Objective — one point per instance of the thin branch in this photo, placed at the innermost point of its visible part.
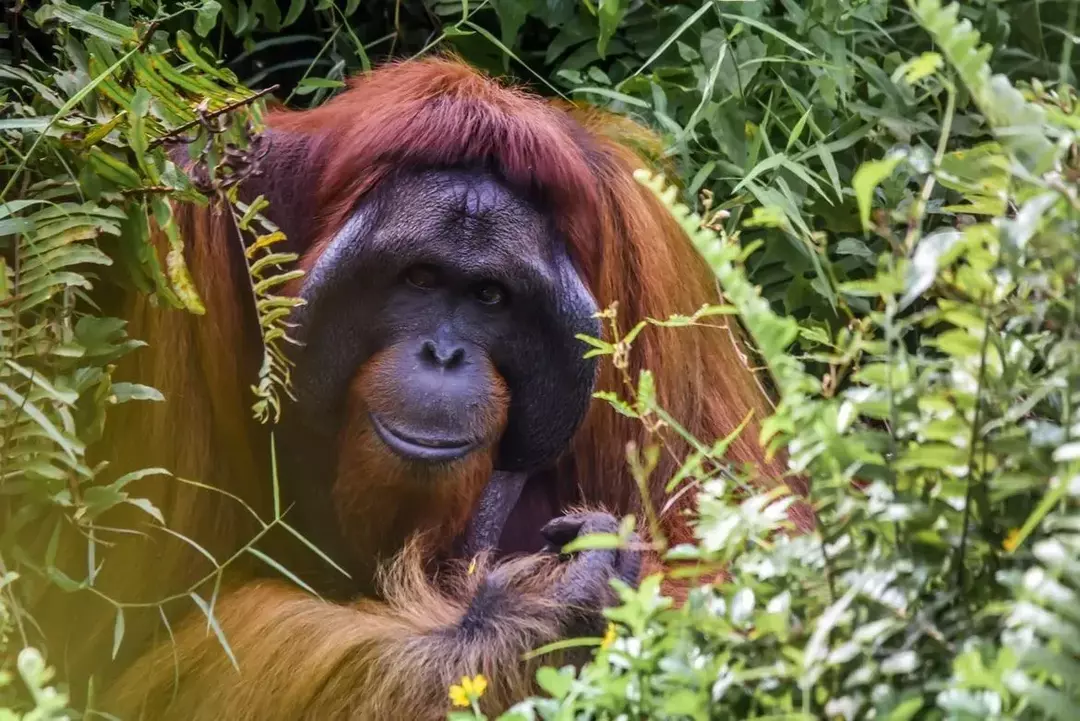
(204, 118)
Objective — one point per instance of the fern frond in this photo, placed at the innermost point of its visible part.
(267, 271)
(1021, 126)
(772, 333)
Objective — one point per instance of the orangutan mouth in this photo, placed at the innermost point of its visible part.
(414, 448)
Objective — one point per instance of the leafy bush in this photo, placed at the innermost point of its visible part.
(85, 170)
(897, 227)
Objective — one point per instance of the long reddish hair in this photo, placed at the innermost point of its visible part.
(579, 162)
(435, 112)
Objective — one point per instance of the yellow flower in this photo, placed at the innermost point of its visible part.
(458, 697)
(609, 636)
(468, 691)
(472, 566)
(1012, 540)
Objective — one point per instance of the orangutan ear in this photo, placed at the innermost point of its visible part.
(285, 175)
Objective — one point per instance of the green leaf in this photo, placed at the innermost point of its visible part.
(959, 343)
(310, 85)
(512, 15)
(610, 12)
(796, 132)
(127, 478)
(124, 392)
(769, 30)
(118, 632)
(36, 123)
(557, 683)
(147, 507)
(192, 55)
(295, 8)
(176, 268)
(313, 548)
(140, 103)
(928, 258)
(112, 169)
(281, 569)
(905, 710)
(110, 31)
(599, 347)
(611, 95)
(868, 177)
(683, 27)
(212, 620)
(66, 397)
(206, 18)
(685, 703)
(617, 403)
(593, 542)
(921, 67)
(72, 446)
(933, 455)
(646, 392)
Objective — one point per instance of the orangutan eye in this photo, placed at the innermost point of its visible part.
(424, 277)
(491, 294)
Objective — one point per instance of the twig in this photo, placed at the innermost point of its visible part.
(148, 35)
(204, 117)
(149, 190)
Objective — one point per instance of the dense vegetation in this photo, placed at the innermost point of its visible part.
(889, 193)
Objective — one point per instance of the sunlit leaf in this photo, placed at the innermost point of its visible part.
(866, 180)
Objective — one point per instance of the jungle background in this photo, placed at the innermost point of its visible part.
(889, 193)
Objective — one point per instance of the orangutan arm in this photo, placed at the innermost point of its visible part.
(304, 658)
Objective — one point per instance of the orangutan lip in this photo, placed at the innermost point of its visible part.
(420, 449)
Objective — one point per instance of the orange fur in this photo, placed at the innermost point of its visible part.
(382, 500)
(305, 658)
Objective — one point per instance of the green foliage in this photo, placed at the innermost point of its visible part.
(85, 173)
(941, 449)
(888, 194)
(27, 670)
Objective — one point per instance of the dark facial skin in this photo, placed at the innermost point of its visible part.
(449, 281)
(443, 269)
